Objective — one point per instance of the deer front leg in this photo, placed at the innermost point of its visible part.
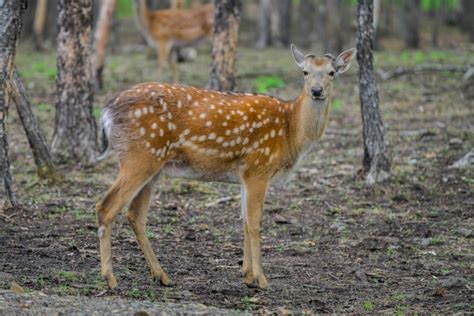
(247, 261)
(255, 188)
(137, 216)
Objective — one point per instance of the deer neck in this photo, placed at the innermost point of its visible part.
(308, 120)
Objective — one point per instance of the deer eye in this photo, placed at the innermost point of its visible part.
(331, 73)
(305, 73)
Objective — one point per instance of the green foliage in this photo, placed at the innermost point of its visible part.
(96, 112)
(124, 9)
(263, 83)
(336, 104)
(368, 306)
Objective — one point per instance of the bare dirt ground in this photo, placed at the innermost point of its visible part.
(330, 244)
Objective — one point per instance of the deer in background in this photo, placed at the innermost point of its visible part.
(170, 28)
(207, 135)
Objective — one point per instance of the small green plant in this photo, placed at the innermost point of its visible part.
(150, 234)
(67, 276)
(435, 241)
(391, 251)
(96, 112)
(368, 306)
(263, 83)
(134, 293)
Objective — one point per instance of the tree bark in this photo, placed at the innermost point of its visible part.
(224, 44)
(335, 26)
(75, 129)
(411, 16)
(284, 22)
(306, 25)
(11, 14)
(101, 36)
(264, 24)
(468, 21)
(39, 146)
(375, 163)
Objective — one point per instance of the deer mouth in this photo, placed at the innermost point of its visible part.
(319, 97)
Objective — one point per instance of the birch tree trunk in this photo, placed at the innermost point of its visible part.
(264, 24)
(11, 14)
(376, 164)
(101, 36)
(224, 44)
(75, 130)
(39, 146)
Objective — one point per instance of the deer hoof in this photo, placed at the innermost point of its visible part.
(111, 281)
(256, 282)
(163, 278)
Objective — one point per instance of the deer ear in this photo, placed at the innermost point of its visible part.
(343, 61)
(297, 55)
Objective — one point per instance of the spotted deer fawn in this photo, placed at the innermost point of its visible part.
(212, 136)
(172, 28)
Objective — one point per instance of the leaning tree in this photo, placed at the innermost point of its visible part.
(376, 164)
(12, 88)
(74, 136)
(224, 44)
(11, 14)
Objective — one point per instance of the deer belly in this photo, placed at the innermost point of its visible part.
(182, 170)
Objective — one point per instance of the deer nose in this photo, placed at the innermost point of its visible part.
(317, 91)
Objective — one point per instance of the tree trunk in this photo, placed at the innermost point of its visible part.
(38, 28)
(306, 25)
(375, 163)
(411, 16)
(224, 44)
(284, 22)
(11, 15)
(336, 25)
(75, 130)
(264, 24)
(39, 146)
(101, 35)
(468, 21)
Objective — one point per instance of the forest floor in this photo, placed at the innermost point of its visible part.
(330, 243)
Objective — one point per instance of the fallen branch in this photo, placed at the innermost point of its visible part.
(400, 71)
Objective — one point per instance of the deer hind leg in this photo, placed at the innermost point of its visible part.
(129, 182)
(137, 216)
(255, 188)
(164, 52)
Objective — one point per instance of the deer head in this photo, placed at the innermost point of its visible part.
(319, 72)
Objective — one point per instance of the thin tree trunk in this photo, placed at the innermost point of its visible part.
(306, 25)
(39, 146)
(264, 24)
(75, 130)
(284, 22)
(11, 14)
(467, 19)
(38, 28)
(411, 16)
(224, 44)
(101, 36)
(335, 27)
(375, 163)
